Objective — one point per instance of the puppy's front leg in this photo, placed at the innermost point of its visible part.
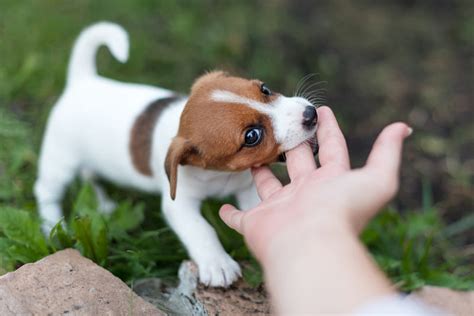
(216, 267)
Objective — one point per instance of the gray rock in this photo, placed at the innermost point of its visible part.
(191, 298)
(67, 283)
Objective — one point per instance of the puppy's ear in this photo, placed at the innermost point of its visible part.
(178, 152)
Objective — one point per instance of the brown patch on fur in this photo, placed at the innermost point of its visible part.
(219, 80)
(211, 134)
(142, 134)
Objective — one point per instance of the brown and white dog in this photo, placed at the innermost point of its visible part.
(152, 139)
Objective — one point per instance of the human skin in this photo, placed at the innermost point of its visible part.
(305, 234)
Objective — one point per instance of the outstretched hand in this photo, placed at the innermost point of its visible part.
(332, 195)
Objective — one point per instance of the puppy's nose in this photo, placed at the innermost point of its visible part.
(310, 117)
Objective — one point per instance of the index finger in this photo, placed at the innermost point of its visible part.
(332, 144)
(300, 161)
(265, 181)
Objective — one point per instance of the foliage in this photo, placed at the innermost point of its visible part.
(117, 241)
(17, 158)
(411, 248)
(413, 251)
(21, 240)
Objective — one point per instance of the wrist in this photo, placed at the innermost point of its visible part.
(300, 236)
(321, 267)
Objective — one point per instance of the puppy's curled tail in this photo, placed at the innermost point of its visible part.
(82, 62)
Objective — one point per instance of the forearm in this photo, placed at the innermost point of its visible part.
(321, 270)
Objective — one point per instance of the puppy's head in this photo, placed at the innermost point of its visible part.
(232, 124)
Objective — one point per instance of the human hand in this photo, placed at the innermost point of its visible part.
(330, 197)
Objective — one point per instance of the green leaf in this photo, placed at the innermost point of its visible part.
(83, 232)
(59, 238)
(446, 279)
(6, 262)
(101, 244)
(86, 202)
(24, 233)
(125, 218)
(89, 226)
(252, 273)
(91, 236)
(410, 282)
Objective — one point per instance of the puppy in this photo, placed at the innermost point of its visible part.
(155, 140)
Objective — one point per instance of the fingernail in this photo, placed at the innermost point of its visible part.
(409, 131)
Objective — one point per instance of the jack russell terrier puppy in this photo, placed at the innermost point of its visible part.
(155, 140)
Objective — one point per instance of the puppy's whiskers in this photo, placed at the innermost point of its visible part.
(301, 83)
(317, 97)
(311, 90)
(312, 86)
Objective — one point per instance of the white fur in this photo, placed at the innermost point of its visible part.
(82, 62)
(230, 97)
(287, 117)
(285, 114)
(88, 132)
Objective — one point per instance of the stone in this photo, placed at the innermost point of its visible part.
(451, 301)
(66, 283)
(192, 298)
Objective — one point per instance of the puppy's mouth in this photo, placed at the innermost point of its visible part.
(282, 157)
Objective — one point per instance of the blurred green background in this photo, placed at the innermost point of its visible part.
(382, 61)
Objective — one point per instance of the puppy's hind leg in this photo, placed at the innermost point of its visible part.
(55, 173)
(106, 205)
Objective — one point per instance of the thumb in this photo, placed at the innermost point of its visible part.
(232, 217)
(385, 157)
(386, 152)
(380, 174)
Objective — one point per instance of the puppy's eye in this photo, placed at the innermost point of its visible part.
(264, 89)
(253, 136)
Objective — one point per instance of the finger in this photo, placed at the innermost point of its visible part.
(265, 181)
(332, 144)
(232, 217)
(385, 157)
(300, 161)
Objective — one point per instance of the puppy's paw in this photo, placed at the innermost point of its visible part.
(219, 270)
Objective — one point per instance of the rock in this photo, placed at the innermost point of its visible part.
(67, 283)
(451, 301)
(191, 298)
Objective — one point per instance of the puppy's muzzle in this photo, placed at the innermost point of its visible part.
(310, 117)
